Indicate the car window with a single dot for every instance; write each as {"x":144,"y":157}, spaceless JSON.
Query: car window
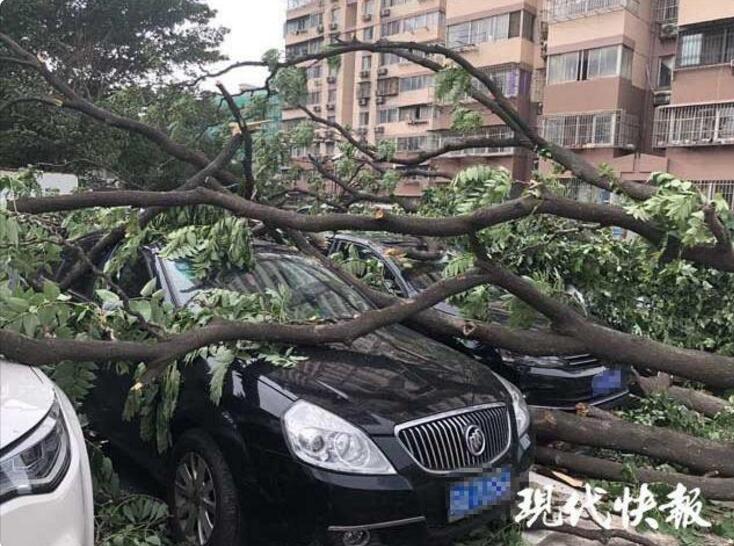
{"x":373,"y":269}
{"x":133,"y":277}
{"x":311,"y":290}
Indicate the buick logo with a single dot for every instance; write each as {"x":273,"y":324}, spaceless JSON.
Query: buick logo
{"x":476,"y":442}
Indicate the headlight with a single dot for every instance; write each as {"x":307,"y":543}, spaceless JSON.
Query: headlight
{"x":39,"y":462}
{"x":522,"y":414}
{"x":322,"y":439}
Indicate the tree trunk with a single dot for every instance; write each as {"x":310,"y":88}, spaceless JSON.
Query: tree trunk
{"x":674,"y":447}
{"x":594,"y":467}
{"x":699,"y":401}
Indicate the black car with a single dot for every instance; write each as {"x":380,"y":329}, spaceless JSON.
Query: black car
{"x":395,"y":439}
{"x":554,"y":382}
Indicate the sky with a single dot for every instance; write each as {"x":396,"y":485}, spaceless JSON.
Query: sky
{"x":256,"y":26}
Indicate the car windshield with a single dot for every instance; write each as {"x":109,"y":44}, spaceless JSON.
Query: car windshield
{"x":421,"y":275}
{"x":311,"y":291}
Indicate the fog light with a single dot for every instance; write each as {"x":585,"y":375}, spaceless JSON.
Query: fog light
{"x":356,"y":538}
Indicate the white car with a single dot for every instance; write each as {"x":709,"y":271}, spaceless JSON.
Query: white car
{"x":45,"y":480}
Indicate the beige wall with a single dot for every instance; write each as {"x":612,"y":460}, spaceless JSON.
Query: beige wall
{"x":699,"y":11}
{"x":714,"y":163}
{"x":705,"y":84}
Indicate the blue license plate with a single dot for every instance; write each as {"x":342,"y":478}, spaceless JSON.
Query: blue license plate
{"x":471,"y":496}
{"x":607,"y":382}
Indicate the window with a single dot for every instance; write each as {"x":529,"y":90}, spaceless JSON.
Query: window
{"x":367,"y":62}
{"x":511,"y":80}
{"x":695,"y":125}
{"x":425,"y":21}
{"x":564,"y":10}
{"x":411,"y":143}
{"x":391,"y":3}
{"x":714,"y":45}
{"x":331,"y":119}
{"x":368,"y":8}
{"x":364,"y":119}
{"x":313,"y":98}
{"x":419,"y":112}
{"x":590,"y":64}
{"x":368,"y":34}
{"x":332,"y":96}
{"x":388,"y":59}
{"x":414,"y":83}
{"x":388,"y":87}
{"x":313,"y":72}
{"x":492,"y":29}
{"x":364,"y":89}
{"x":595,"y":129}
{"x":303,"y":48}
{"x":335,"y":13}
{"x":665,"y":72}
{"x":295,"y":4}
{"x":387,"y":115}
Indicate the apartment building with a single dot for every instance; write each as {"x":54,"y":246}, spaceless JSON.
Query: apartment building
{"x":640,"y":85}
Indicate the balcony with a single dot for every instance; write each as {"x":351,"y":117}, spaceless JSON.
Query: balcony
{"x":694,"y":125}
{"x":498,"y":132}
{"x":712,"y":188}
{"x":666,"y":12}
{"x":605,"y":129}
{"x":558,"y":11}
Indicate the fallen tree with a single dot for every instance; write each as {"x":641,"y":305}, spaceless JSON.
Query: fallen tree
{"x":702,"y":239}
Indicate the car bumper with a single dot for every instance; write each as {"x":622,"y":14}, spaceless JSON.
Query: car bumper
{"x":410,"y":507}
{"x":63,"y":517}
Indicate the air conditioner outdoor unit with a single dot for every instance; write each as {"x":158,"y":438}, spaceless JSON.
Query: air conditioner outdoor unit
{"x":331,"y":79}
{"x":668,"y":30}
{"x":331,"y":107}
{"x":364,"y":101}
{"x":334,"y":26}
{"x":661,"y":98}
{"x":380,"y":100}
{"x":385,"y":13}
{"x":366,"y":17}
{"x":382,"y":71}
{"x":379,"y":130}
{"x":364,"y":74}
{"x":317,"y":108}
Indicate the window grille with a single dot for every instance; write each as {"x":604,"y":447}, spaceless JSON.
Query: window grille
{"x":565,"y":10}
{"x":694,"y":125}
{"x":607,"y":129}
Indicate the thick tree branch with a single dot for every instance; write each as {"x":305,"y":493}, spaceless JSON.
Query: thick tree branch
{"x":594,"y":467}
{"x":116,"y":235}
{"x":248,"y":188}
{"x":39,"y":352}
{"x":697,"y":454}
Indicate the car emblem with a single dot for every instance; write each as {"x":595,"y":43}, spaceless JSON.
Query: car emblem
{"x":476,"y":441}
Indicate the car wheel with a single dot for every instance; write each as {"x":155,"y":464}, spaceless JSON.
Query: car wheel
{"x":205,"y":509}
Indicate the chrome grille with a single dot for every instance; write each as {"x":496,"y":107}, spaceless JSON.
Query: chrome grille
{"x":581,"y":360}
{"x":438,"y":443}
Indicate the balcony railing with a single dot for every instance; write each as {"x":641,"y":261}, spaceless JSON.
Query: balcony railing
{"x":606,"y":129}
{"x":499,"y":132}
{"x":712,"y":188}
{"x":558,"y":11}
{"x":694,"y":125}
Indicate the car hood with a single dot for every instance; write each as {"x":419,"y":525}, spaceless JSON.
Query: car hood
{"x":26,"y":396}
{"x":389,"y":377}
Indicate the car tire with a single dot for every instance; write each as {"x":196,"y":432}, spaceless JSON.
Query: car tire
{"x":205,"y":508}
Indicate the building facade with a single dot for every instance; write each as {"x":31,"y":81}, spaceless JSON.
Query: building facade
{"x":640,"y":85}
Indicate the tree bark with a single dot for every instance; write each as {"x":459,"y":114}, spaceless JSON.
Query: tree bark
{"x":697,"y":454}
{"x":706,"y":404}
{"x":601,"y":469}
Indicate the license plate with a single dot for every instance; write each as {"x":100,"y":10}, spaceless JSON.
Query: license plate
{"x":473,"y":495}
{"x":606,"y":382}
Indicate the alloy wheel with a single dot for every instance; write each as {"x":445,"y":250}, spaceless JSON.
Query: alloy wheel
{"x":195,"y":501}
